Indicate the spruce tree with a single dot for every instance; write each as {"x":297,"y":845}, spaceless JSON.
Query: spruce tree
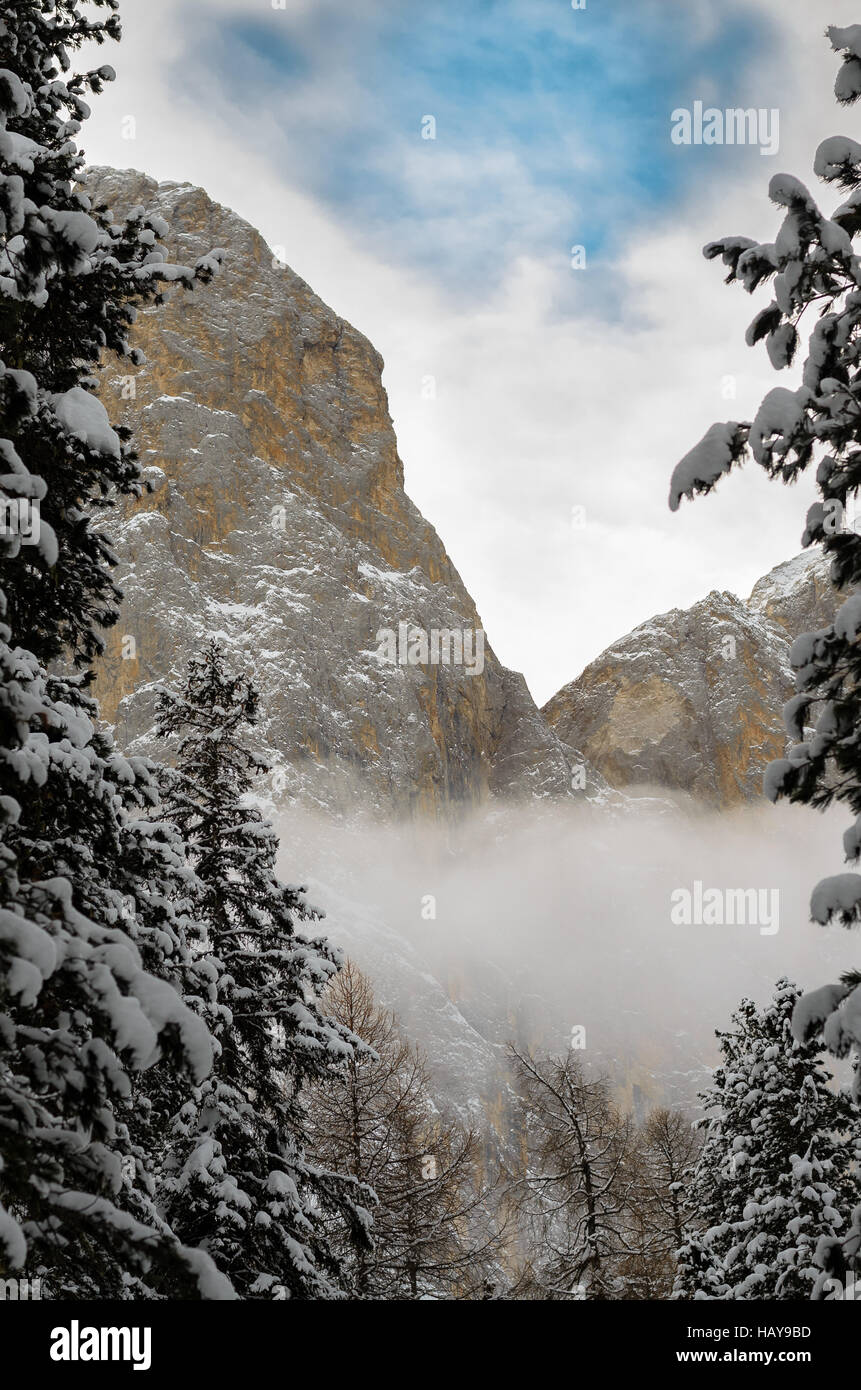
{"x":237,"y":1180}
{"x":813,"y":265}
{"x":90,"y":895}
{"x":777,"y":1179}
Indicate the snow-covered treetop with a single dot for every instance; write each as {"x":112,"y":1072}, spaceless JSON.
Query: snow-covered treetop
{"x":72,"y":278}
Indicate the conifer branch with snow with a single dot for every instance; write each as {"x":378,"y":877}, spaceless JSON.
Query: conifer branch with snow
{"x":813,"y":265}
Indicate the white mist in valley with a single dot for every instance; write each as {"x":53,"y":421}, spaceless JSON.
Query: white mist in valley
{"x":530,"y":924}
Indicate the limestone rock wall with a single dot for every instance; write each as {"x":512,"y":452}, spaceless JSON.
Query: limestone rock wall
{"x":691,"y":700}
{"x":278,"y":520}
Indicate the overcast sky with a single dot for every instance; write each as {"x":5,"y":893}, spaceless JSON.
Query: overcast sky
{"x":563,"y":396}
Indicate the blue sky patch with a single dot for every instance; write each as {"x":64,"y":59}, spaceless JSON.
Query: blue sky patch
{"x":552,"y":124}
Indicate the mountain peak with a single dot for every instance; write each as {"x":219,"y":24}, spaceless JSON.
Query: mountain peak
{"x":277,"y":520}
{"x":691,"y":700}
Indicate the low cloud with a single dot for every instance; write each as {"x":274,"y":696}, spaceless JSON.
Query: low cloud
{"x":540,"y":921}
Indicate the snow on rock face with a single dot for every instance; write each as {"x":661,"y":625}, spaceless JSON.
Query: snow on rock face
{"x":797,"y":596}
{"x":278,"y":521}
{"x":691,"y":701}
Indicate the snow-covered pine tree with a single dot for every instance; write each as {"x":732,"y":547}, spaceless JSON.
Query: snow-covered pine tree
{"x":777,"y":1179}
{"x":89,"y":825}
{"x":80,"y":877}
{"x":813,"y":264}
{"x":236,"y":1178}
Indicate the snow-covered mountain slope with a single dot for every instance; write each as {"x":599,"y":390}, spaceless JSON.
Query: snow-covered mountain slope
{"x":691,"y":700}
{"x":278,"y":520}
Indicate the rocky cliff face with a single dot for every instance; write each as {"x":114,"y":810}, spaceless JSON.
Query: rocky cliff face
{"x":691,"y":701}
{"x":278,"y":521}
